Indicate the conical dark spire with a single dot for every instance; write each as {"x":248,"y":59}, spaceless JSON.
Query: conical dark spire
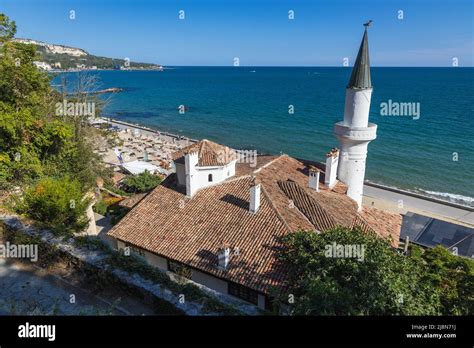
{"x":360,"y":77}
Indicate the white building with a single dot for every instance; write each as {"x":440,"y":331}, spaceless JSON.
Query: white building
{"x":204,"y":164}
{"x":355,"y":132}
{"x":42,"y":65}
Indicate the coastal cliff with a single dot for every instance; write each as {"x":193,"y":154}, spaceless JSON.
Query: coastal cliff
{"x":60,"y":57}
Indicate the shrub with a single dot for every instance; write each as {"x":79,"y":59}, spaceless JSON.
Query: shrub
{"x":116,"y":190}
{"x":143,"y":182}
{"x":112,"y":201}
{"x":56,"y":204}
{"x":100,"y":207}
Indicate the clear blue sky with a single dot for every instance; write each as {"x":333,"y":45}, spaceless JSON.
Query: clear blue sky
{"x":257,"y":31}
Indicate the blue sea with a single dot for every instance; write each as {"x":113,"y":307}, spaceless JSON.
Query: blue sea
{"x":248,"y":108}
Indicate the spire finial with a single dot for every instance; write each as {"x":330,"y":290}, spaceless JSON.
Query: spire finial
{"x":360,"y":77}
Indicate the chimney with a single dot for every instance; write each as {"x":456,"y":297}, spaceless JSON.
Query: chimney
{"x":254,"y":196}
{"x":332,"y":160}
{"x":314,"y":178}
{"x":223,"y":257}
{"x":190,"y":162}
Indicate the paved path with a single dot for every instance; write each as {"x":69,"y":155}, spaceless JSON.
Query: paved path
{"x":375,"y":195}
{"x":27,"y":290}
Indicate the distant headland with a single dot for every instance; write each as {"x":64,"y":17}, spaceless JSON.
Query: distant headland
{"x":54,"y":57}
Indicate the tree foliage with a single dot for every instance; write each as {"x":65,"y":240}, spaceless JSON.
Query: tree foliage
{"x":452,"y":275}
{"x":49,"y":154}
{"x":7,"y":28}
{"x":34,"y":140}
{"x":142,"y":182}
{"x":385,"y":282}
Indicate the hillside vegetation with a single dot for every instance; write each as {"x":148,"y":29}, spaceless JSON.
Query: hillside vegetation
{"x":51,"y":54}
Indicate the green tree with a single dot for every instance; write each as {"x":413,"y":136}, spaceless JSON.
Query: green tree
{"x":34,"y":140}
{"x":142,"y":182}
{"x":452,"y":275}
{"x":384,"y":282}
{"x":7,"y":28}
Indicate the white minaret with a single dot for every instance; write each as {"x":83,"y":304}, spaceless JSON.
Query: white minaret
{"x":355,"y":132}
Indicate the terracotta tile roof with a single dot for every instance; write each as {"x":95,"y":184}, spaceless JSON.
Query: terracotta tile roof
{"x":131,"y":201}
{"x":191,"y":230}
{"x":243,"y":168}
{"x":117,"y":177}
{"x":360,"y":222}
{"x":209,"y":153}
{"x":308,"y":205}
{"x":285,"y":168}
{"x":385,"y":224}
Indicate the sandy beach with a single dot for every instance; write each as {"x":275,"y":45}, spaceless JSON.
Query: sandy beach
{"x":144,"y":144}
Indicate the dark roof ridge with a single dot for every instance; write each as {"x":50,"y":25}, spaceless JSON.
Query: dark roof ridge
{"x":328,"y":220}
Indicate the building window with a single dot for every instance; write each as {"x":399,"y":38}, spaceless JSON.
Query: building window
{"x":179,"y":269}
{"x":135,"y":250}
{"x":243,"y":293}
{"x":209,"y":178}
{"x":270,"y":304}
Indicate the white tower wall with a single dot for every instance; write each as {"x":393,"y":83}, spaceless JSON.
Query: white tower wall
{"x":254,"y":198}
{"x":355,"y":132}
{"x":196,"y":177}
{"x":314,"y":180}
{"x":356,"y":110}
{"x":351,"y":169}
{"x":332,"y":161}
{"x":190,"y":163}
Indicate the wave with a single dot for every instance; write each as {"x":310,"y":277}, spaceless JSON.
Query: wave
{"x":445,"y":196}
{"x":455,"y":198}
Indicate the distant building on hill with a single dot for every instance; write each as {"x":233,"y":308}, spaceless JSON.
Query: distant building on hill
{"x":42,"y":65}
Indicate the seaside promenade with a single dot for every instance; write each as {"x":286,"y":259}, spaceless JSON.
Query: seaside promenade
{"x":401,"y":202}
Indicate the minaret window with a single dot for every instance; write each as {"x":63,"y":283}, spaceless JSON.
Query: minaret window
{"x":209,"y":178}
